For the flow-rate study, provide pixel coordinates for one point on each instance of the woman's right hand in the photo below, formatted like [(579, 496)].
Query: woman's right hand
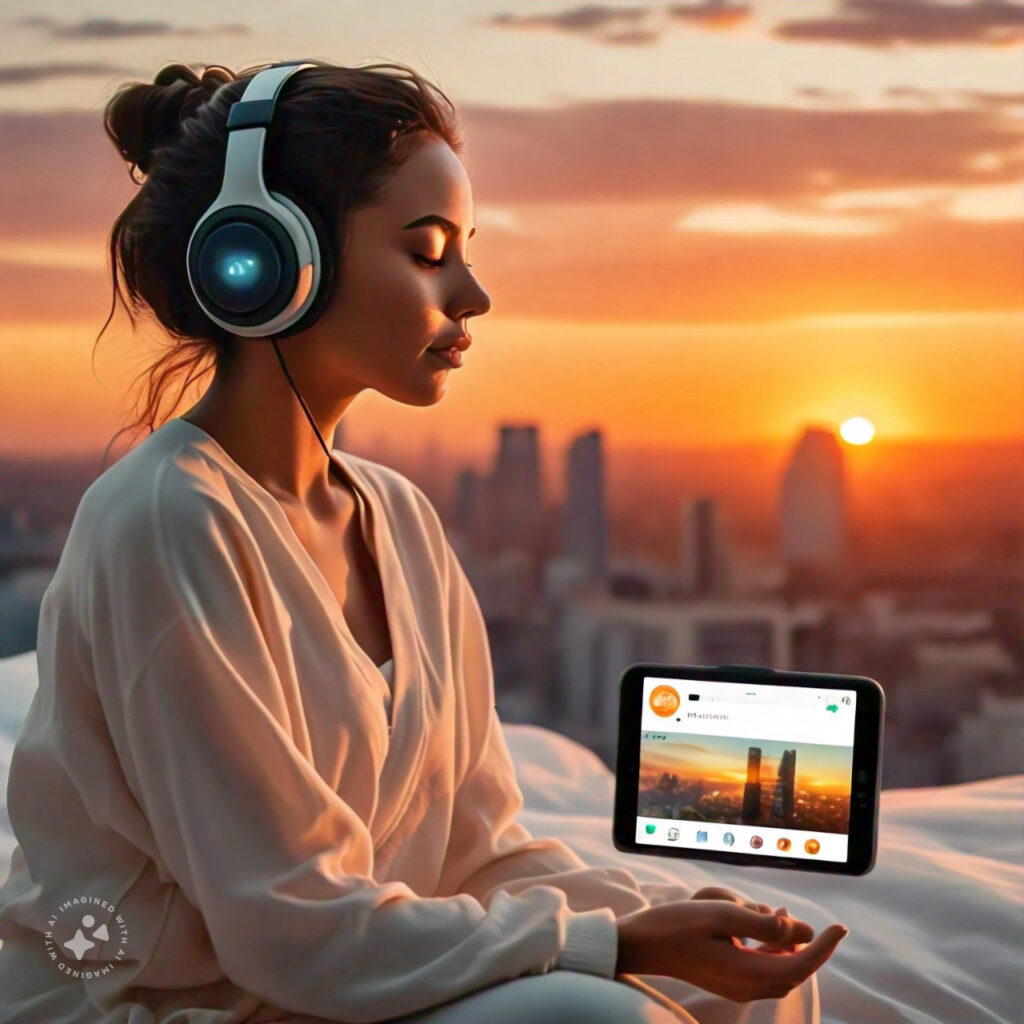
[(700, 942)]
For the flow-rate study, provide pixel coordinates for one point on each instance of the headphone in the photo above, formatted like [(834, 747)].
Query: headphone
[(259, 262)]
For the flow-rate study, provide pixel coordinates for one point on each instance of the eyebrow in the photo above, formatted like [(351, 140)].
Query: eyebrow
[(450, 228)]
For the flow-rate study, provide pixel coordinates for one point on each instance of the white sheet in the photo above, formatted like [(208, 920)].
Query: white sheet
[(936, 929)]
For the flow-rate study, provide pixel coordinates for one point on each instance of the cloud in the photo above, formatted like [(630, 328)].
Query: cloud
[(884, 23), (690, 153), (618, 26), (710, 14), (699, 151), (581, 20), (579, 209), (996, 100), (113, 28), (32, 74), (815, 92)]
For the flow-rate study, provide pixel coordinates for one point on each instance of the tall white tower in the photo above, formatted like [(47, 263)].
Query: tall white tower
[(813, 506)]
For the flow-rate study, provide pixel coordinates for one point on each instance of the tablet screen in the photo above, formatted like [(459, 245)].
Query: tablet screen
[(742, 767)]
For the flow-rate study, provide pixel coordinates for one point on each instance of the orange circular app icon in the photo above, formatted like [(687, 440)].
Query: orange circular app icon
[(783, 843), (664, 701), (812, 846)]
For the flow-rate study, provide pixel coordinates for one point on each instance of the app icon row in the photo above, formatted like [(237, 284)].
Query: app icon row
[(784, 843)]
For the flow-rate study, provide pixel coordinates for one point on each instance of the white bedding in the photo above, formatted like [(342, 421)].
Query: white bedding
[(936, 929)]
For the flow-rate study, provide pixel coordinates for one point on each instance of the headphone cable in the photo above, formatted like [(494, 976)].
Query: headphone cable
[(330, 461)]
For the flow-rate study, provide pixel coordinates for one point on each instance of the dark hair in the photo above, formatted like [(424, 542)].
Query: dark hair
[(338, 135)]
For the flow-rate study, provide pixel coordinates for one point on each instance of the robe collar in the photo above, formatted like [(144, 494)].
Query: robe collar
[(406, 735)]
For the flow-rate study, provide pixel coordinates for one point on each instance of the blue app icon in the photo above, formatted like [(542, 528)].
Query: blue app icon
[(728, 839), (702, 837)]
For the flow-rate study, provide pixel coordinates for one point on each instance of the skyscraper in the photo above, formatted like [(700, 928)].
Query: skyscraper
[(517, 488), (813, 508), (751, 811), (785, 786), (585, 522), (704, 551)]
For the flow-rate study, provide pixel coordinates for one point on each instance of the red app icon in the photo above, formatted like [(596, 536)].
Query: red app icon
[(756, 842)]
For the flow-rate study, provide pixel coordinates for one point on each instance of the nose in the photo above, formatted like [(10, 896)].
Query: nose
[(475, 302)]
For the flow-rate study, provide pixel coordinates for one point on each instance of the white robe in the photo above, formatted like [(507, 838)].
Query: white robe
[(211, 753)]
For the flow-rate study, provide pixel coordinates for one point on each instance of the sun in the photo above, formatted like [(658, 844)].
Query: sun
[(857, 430)]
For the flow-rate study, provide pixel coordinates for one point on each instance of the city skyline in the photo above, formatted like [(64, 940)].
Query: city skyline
[(723, 760)]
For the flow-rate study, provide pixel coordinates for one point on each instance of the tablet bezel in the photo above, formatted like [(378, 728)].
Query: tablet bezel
[(866, 774)]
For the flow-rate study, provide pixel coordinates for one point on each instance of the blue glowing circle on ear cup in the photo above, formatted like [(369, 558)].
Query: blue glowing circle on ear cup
[(240, 267)]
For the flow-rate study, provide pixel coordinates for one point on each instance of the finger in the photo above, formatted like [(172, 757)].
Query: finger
[(787, 943), (794, 931), (733, 920), (816, 952), (716, 892), (761, 908), (790, 968)]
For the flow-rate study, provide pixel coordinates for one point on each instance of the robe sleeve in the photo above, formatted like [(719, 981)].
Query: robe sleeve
[(489, 852), (279, 866)]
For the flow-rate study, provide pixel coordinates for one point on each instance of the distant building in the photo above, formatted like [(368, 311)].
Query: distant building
[(785, 786), (990, 741), (517, 501), (13, 522), (518, 632), (585, 521), (704, 550), (21, 596), (813, 511), (947, 679), (751, 812), (883, 616), (600, 635), (472, 517)]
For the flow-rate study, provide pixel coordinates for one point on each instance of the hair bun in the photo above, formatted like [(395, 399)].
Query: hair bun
[(142, 116)]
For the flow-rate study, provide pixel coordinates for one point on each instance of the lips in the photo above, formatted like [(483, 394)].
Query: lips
[(462, 342), (451, 356)]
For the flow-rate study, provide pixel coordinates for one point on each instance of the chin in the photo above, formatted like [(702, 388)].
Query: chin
[(420, 397)]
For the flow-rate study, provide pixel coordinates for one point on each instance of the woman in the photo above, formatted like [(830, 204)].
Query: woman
[(264, 778)]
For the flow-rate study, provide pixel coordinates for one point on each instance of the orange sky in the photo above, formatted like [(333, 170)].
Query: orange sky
[(717, 227)]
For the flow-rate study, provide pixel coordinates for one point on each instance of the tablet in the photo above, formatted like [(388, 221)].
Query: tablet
[(745, 764)]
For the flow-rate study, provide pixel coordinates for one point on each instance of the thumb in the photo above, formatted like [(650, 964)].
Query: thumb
[(735, 920)]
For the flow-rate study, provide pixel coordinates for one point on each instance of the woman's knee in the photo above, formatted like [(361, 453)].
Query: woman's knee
[(557, 997), (590, 999)]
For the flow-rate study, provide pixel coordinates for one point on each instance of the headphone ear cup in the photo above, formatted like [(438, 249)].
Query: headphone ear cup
[(327, 265)]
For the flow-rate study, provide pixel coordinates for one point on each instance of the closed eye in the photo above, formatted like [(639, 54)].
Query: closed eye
[(430, 262)]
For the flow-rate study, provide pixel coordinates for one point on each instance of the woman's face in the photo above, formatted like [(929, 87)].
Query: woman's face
[(390, 305)]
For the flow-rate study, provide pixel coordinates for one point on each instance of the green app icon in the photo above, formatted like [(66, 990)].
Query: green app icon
[(831, 707), (650, 829)]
